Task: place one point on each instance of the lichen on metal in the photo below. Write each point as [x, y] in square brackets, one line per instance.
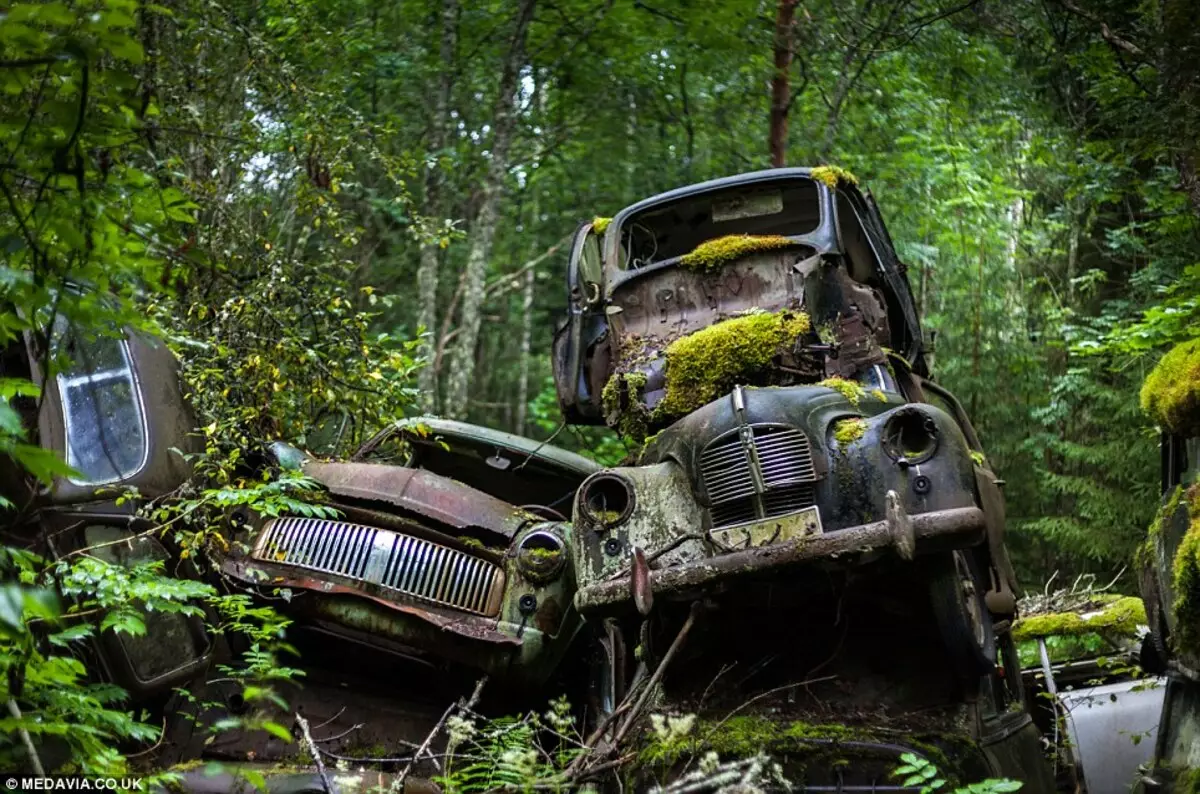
[847, 388]
[832, 175]
[847, 431]
[712, 255]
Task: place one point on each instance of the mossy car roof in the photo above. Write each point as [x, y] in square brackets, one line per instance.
[477, 435]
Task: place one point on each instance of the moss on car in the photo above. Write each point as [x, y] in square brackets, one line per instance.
[832, 175]
[1121, 615]
[1171, 393]
[708, 363]
[713, 254]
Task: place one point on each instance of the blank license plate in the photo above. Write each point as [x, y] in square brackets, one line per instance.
[772, 530]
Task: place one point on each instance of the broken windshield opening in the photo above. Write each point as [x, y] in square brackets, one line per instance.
[666, 232]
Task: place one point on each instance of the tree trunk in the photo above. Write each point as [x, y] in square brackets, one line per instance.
[780, 82]
[428, 270]
[526, 346]
[462, 365]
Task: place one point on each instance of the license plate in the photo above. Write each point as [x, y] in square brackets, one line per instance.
[772, 530]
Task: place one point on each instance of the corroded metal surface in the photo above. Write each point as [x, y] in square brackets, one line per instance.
[438, 498]
[960, 526]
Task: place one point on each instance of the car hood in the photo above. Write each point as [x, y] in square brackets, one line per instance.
[429, 495]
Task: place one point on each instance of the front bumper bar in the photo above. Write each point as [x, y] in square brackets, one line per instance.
[953, 528]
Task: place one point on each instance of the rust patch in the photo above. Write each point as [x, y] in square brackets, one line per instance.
[422, 492]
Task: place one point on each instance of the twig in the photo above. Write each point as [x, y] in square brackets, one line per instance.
[34, 761]
[315, 752]
[635, 712]
[346, 732]
[162, 734]
[398, 782]
[331, 719]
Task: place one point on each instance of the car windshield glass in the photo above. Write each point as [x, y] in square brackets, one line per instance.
[668, 231]
[103, 417]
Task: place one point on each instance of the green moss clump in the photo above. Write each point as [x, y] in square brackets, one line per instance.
[832, 175]
[599, 225]
[1171, 394]
[977, 456]
[624, 408]
[1121, 616]
[708, 363]
[879, 395]
[712, 254]
[847, 388]
[847, 431]
[1185, 573]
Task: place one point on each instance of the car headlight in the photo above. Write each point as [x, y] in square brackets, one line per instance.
[910, 436]
[541, 555]
[606, 499]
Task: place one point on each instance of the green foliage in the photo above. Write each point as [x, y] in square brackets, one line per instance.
[918, 771]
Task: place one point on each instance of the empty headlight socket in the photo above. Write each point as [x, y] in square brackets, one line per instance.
[606, 500]
[910, 437]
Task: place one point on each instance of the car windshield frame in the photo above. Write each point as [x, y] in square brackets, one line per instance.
[612, 241]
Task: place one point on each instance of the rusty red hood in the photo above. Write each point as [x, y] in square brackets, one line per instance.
[430, 495]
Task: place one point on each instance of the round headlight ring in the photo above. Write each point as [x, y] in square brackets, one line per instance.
[541, 555]
[910, 436]
[606, 499]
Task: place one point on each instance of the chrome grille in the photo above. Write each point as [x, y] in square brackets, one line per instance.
[413, 566]
[756, 472]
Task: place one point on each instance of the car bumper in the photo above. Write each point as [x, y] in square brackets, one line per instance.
[906, 535]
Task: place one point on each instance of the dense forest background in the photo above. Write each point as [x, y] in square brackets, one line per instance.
[328, 204]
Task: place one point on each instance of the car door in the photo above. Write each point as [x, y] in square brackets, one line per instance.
[580, 354]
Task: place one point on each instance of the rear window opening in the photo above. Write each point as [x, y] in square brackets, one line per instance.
[788, 208]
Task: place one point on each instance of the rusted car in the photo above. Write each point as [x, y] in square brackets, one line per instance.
[1169, 565]
[758, 337]
[115, 413]
[450, 545]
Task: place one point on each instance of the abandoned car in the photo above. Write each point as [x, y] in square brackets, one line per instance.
[756, 336]
[114, 412]
[449, 544]
[1169, 563]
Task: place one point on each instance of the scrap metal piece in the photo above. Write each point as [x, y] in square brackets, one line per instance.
[900, 527]
[639, 583]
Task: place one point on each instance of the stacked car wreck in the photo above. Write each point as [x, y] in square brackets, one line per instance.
[799, 475]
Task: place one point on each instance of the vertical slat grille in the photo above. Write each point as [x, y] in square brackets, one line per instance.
[784, 459]
[413, 566]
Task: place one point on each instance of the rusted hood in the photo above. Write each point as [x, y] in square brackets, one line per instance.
[434, 497]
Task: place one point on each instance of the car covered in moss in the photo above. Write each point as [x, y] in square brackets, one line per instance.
[756, 339]
[448, 545]
[1169, 566]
